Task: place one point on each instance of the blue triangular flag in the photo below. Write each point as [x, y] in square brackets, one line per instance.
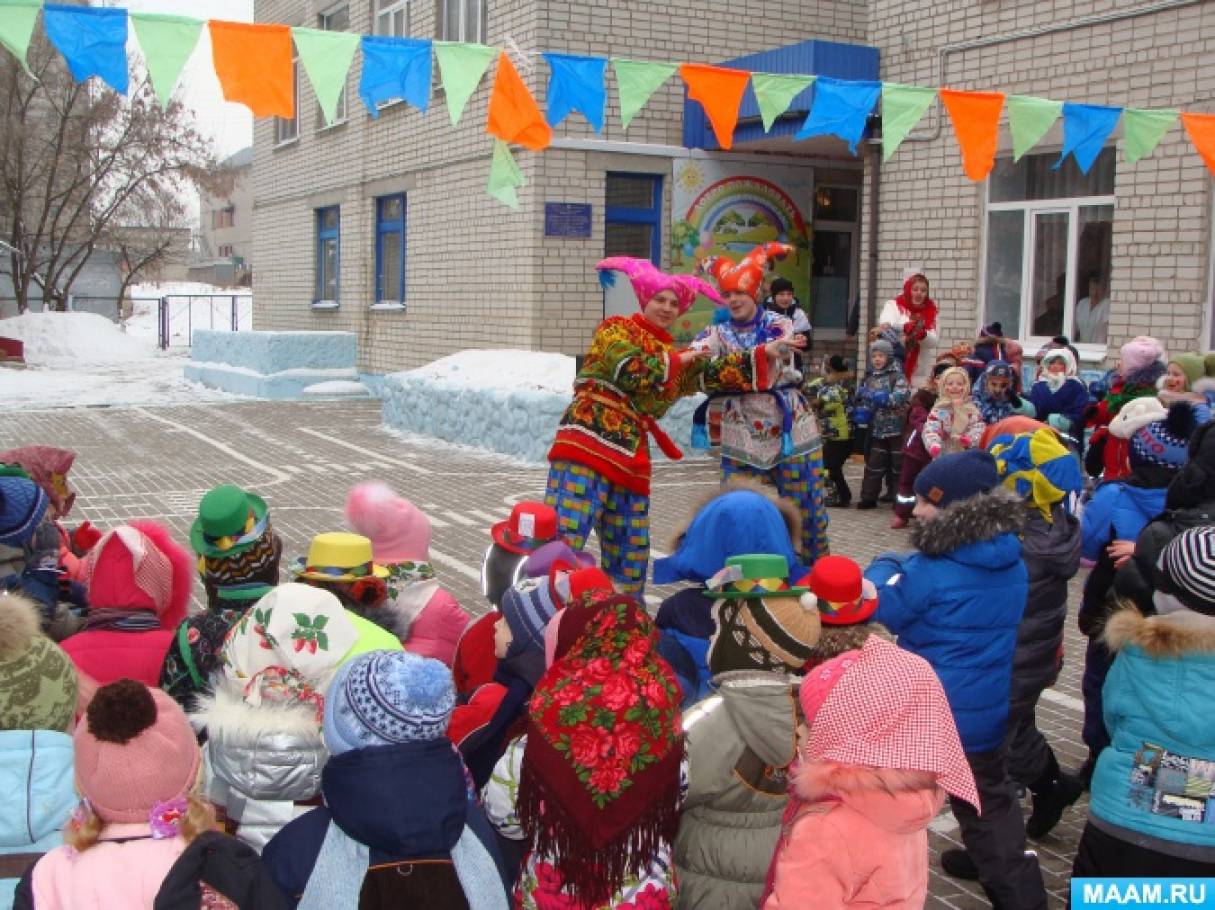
[577, 84]
[1085, 129]
[840, 108]
[395, 68]
[93, 41]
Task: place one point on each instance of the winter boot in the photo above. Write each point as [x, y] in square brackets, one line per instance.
[958, 864]
[1053, 792]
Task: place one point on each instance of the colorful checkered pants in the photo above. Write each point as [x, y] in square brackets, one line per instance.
[802, 480]
[585, 500]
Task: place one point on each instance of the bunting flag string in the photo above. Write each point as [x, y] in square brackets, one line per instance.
[253, 63]
[254, 66]
[93, 41]
[167, 41]
[577, 84]
[326, 57]
[976, 123]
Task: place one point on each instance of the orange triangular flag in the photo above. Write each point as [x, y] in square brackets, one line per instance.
[513, 114]
[976, 122]
[1201, 128]
[719, 91]
[253, 63]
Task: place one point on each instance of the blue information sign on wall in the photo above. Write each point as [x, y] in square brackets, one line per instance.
[567, 219]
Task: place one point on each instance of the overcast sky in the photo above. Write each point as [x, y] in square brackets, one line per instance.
[229, 125]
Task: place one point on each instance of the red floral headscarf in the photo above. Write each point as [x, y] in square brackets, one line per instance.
[599, 791]
[920, 321]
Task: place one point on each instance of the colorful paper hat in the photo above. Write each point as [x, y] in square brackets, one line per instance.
[230, 521]
[338, 556]
[648, 281]
[753, 575]
[843, 596]
[748, 274]
[1037, 467]
[530, 526]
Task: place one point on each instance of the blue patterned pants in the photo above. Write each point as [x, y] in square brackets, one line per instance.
[585, 500]
[801, 479]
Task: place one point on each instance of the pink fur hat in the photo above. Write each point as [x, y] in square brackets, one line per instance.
[398, 530]
[140, 566]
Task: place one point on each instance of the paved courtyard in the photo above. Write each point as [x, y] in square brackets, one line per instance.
[303, 457]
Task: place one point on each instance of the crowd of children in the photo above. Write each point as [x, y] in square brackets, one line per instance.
[353, 738]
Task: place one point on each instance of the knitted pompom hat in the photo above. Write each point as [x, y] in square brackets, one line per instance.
[1140, 353]
[134, 749]
[398, 530]
[37, 680]
[1164, 443]
[139, 566]
[387, 698]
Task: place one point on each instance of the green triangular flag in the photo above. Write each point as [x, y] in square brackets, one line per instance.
[775, 93]
[902, 108]
[17, 18]
[1029, 119]
[636, 81]
[461, 67]
[504, 176]
[1142, 131]
[326, 57]
[167, 42]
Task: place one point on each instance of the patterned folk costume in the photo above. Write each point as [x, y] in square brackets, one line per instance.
[768, 432]
[599, 464]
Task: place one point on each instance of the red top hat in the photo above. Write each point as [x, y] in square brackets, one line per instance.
[844, 597]
[531, 525]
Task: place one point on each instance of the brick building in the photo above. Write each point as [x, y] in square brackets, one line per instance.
[225, 244]
[383, 227]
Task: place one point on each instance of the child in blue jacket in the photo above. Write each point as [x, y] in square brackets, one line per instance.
[957, 602]
[1112, 522]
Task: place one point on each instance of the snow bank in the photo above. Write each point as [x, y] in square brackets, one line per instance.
[337, 388]
[271, 364]
[505, 401]
[71, 339]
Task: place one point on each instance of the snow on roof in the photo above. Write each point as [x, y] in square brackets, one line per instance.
[502, 369]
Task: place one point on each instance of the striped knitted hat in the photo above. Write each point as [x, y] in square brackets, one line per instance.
[1188, 564]
[771, 634]
[527, 608]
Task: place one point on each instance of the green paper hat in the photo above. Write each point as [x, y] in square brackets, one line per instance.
[230, 521]
[754, 575]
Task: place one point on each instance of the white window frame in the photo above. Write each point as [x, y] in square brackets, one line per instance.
[466, 32]
[385, 10]
[1071, 206]
[341, 112]
[281, 137]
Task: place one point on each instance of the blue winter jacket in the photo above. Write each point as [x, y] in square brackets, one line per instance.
[1117, 511]
[36, 780]
[1150, 785]
[957, 603]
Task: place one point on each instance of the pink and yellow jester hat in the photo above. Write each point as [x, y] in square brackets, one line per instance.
[649, 281]
[748, 275]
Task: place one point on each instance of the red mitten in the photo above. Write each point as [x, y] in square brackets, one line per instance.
[84, 538]
[934, 451]
[965, 440]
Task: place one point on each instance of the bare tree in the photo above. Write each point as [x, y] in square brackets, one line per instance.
[80, 165]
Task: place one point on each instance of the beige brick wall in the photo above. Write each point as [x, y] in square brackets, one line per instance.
[478, 274]
[930, 212]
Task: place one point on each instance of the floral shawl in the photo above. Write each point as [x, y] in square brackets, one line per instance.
[599, 790]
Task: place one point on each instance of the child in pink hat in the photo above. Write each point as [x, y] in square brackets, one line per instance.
[137, 763]
[400, 541]
[880, 751]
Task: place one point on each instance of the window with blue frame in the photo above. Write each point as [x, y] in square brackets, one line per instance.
[633, 216]
[328, 254]
[390, 249]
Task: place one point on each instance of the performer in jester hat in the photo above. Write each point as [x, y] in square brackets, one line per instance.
[769, 432]
[599, 464]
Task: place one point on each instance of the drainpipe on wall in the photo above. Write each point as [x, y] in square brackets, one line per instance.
[875, 186]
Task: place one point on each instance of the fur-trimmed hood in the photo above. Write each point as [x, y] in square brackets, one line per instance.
[20, 621]
[789, 511]
[225, 715]
[1167, 636]
[894, 800]
[975, 520]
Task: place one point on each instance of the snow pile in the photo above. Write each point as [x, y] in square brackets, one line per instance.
[536, 370]
[502, 400]
[337, 388]
[71, 339]
[271, 364]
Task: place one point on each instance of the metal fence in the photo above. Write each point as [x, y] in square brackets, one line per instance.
[180, 314]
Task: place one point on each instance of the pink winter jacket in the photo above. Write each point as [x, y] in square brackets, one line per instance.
[107, 875]
[853, 842]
